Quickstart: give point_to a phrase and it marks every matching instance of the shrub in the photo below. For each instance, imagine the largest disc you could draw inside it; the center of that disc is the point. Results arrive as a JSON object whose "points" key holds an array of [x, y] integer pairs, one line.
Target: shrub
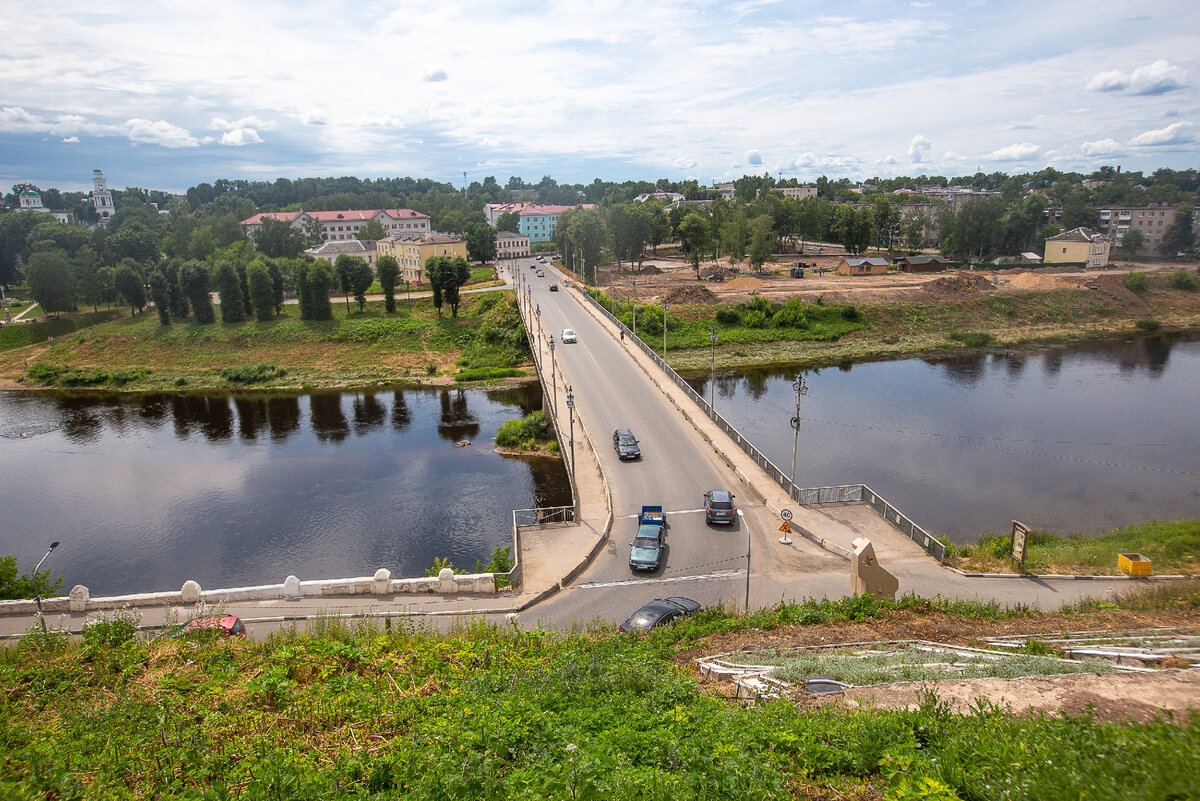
{"points": [[524, 432], [972, 339], [851, 313], [1148, 324], [43, 373], [759, 303], [1136, 282], [729, 315], [1184, 280], [791, 315], [118, 629], [755, 319], [252, 373]]}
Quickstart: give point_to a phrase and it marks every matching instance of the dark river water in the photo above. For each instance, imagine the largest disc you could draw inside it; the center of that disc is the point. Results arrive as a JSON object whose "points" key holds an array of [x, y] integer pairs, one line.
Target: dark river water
{"points": [[147, 492], [1083, 438]]}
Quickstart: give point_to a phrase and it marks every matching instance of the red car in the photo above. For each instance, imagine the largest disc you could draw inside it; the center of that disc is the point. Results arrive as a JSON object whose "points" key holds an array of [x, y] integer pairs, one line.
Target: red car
{"points": [[229, 625]]}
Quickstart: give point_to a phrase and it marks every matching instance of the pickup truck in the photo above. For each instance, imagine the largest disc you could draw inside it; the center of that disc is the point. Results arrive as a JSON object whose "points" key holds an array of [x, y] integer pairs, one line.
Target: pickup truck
{"points": [[646, 549]]}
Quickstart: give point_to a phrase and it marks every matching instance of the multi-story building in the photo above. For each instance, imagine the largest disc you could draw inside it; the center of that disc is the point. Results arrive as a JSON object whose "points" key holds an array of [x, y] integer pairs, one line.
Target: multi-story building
{"points": [[1079, 245], [338, 226], [798, 192], [538, 220], [1152, 221], [411, 252], [511, 246], [329, 251]]}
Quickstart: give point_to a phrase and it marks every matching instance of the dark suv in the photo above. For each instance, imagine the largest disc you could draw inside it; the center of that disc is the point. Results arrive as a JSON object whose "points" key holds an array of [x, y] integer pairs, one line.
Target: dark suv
{"points": [[625, 444], [718, 507]]}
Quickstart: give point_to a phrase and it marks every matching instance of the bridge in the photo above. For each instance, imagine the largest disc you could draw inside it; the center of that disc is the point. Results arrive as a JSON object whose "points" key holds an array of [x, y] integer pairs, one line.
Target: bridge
{"points": [[615, 381]]}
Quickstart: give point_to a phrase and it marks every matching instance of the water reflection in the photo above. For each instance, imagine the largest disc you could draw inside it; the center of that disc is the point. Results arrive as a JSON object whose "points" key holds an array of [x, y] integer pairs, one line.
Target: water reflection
{"points": [[1078, 438], [265, 495]]}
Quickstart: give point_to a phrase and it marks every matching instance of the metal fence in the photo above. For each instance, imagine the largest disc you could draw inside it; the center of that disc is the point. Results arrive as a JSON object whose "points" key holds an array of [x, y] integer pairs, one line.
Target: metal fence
{"points": [[850, 492]]}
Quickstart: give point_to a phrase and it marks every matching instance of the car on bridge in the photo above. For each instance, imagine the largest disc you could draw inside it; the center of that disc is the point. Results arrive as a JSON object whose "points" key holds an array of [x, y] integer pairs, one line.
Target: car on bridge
{"points": [[568, 335], [645, 552], [718, 507], [554, 287], [659, 612], [626, 445]]}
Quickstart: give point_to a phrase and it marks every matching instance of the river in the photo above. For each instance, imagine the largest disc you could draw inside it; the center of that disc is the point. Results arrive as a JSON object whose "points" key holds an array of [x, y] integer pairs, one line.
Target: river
{"points": [[1080, 438], [146, 492]]}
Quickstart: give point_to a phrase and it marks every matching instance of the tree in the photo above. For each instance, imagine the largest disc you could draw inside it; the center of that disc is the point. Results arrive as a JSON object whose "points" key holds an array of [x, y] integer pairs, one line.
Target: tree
{"points": [[14, 231], [193, 279], [134, 241], [361, 278], [457, 273], [813, 218], [86, 265], [509, 221], [128, 282], [1132, 243], [481, 241], [761, 239], [389, 270], [887, 222], [347, 269], [276, 274], [371, 232], [694, 235], [229, 289], [435, 268], [19, 586], [1078, 211], [262, 290], [160, 294], [278, 239], [1179, 236], [842, 227], [50, 281], [912, 230], [314, 279], [735, 231], [979, 226]]}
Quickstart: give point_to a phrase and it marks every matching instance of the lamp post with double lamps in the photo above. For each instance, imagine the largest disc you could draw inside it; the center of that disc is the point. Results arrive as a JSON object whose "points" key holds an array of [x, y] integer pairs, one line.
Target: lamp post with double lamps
{"points": [[712, 381], [37, 595], [553, 385]]}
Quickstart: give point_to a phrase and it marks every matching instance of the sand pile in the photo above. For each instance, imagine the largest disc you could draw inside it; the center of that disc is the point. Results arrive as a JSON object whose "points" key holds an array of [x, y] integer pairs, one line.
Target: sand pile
{"points": [[744, 282], [650, 269], [691, 296], [1111, 287], [959, 284], [1041, 281]]}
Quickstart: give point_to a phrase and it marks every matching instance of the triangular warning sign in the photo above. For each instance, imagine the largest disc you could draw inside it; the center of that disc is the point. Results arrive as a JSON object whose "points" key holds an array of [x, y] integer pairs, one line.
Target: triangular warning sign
{"points": [[785, 528]]}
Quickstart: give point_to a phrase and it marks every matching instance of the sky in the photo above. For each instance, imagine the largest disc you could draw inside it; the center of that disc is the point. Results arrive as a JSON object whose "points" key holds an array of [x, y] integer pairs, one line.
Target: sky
{"points": [[167, 95]]}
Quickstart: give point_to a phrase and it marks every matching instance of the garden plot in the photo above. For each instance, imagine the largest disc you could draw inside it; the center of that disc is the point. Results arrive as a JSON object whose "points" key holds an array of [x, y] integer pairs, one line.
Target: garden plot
{"points": [[1162, 647]]}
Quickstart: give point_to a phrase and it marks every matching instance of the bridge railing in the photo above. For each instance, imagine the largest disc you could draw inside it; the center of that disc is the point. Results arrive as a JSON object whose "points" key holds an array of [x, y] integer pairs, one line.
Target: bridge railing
{"points": [[804, 496]]}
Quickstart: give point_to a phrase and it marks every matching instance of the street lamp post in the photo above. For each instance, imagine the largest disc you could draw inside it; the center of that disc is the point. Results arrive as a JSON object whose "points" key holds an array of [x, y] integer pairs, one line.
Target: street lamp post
{"points": [[37, 595], [553, 385], [664, 330], [538, 314], [801, 390], [742, 517], [571, 412], [635, 308], [712, 337]]}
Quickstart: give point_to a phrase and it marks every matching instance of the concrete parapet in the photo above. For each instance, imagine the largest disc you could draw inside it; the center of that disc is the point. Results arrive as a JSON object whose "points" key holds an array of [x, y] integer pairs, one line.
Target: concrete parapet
{"points": [[867, 576], [190, 591], [78, 599]]}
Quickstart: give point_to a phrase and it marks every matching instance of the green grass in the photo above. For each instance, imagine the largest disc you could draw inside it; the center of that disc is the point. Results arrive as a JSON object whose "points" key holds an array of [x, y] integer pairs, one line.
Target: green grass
{"points": [[16, 335], [384, 710], [1172, 547]]}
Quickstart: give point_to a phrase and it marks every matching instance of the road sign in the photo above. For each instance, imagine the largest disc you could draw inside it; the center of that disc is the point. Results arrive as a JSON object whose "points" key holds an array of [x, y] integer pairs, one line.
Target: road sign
{"points": [[786, 514], [785, 528]]}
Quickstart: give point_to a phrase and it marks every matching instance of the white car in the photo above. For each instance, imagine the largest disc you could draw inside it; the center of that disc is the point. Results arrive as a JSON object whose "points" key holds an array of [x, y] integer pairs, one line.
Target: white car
{"points": [[568, 335]]}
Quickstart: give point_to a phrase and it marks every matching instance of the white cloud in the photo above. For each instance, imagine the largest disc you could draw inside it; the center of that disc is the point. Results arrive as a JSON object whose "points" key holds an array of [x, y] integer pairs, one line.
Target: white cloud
{"points": [[753, 157], [257, 124], [887, 161], [158, 132], [1100, 147], [435, 76], [71, 139], [918, 148], [1175, 133], [684, 163], [1155, 78], [241, 136], [1014, 152]]}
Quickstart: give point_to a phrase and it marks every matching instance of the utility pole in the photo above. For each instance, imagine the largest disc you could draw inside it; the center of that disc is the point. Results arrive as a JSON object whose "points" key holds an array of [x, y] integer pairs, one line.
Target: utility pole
{"points": [[801, 390]]}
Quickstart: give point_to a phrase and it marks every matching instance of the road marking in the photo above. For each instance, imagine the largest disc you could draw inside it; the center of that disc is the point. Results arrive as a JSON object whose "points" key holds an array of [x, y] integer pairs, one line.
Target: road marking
{"points": [[661, 580], [669, 512]]}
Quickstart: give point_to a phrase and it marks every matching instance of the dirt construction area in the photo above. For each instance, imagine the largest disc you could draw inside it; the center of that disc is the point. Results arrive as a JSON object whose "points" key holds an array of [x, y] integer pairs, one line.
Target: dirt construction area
{"points": [[674, 281]]}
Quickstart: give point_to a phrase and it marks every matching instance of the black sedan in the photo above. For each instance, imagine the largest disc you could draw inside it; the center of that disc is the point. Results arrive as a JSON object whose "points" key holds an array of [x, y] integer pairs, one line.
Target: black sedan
{"points": [[659, 612]]}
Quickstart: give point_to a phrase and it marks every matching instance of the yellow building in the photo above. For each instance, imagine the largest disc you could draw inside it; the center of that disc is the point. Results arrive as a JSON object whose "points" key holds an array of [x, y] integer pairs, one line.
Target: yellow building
{"points": [[411, 252], [1078, 246]]}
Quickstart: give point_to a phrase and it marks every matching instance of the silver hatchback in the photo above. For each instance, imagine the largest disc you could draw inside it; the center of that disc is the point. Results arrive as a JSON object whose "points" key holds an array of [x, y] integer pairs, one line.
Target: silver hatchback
{"points": [[718, 507]]}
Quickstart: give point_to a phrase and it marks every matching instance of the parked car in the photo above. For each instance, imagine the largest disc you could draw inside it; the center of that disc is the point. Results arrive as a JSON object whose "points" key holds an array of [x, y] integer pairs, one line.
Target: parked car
{"points": [[228, 625], [554, 287], [568, 335], [625, 444], [541, 274], [645, 552], [659, 612], [718, 507]]}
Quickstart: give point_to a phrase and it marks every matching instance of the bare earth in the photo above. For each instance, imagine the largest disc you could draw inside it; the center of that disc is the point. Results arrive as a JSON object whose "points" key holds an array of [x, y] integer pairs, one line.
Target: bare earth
{"points": [[1119, 698]]}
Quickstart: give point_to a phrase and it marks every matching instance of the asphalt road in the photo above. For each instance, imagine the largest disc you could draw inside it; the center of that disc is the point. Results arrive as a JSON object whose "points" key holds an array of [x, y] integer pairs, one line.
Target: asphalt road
{"points": [[610, 392]]}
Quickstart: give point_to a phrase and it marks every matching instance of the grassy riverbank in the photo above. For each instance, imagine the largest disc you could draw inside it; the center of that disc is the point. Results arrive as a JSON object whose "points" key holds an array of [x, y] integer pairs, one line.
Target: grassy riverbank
{"points": [[1173, 548], [355, 348], [384, 710]]}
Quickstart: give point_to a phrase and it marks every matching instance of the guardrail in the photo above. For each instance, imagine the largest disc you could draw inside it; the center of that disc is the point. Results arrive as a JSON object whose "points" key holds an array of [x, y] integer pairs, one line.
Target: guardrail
{"points": [[805, 496]]}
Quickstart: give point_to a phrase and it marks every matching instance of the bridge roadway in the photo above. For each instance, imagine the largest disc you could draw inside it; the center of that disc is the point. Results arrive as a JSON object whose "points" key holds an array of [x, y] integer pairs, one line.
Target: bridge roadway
{"points": [[683, 454]]}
